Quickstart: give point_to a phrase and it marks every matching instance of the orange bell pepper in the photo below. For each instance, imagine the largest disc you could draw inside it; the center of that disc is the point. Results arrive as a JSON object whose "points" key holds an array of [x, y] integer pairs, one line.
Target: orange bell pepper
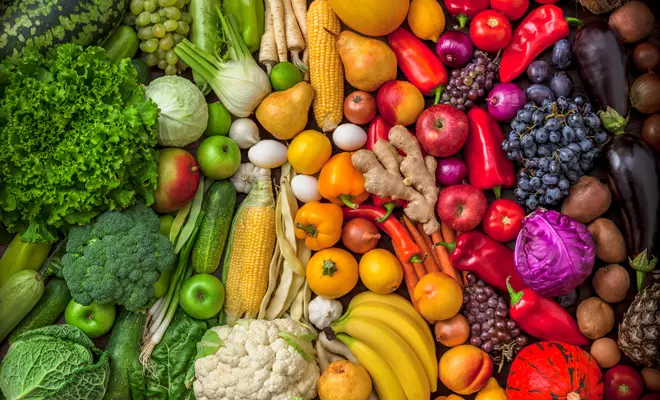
{"points": [[341, 183], [319, 224]]}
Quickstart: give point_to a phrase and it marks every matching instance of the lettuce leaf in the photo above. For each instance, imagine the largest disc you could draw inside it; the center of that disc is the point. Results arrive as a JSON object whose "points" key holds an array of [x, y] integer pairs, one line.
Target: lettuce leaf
{"points": [[77, 137]]}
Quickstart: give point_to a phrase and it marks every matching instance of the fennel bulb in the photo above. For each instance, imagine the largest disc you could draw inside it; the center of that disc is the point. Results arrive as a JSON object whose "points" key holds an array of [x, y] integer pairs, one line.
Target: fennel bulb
{"points": [[234, 76]]}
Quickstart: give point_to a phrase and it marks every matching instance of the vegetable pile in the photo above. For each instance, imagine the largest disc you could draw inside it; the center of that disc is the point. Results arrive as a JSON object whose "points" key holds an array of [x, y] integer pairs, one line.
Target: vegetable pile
{"points": [[411, 199]]}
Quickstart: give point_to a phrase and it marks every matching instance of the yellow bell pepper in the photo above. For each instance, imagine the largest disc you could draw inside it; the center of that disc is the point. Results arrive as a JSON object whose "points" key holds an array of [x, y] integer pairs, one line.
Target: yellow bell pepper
{"points": [[492, 391], [319, 224], [20, 256], [309, 151], [341, 183]]}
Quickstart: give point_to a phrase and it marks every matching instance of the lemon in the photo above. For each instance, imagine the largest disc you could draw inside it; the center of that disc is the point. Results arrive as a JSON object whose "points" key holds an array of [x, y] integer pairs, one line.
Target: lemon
{"points": [[380, 271]]}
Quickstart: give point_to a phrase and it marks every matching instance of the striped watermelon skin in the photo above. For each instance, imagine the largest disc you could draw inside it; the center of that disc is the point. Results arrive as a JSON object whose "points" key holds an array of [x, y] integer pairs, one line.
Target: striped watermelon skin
{"points": [[45, 23], [554, 371]]}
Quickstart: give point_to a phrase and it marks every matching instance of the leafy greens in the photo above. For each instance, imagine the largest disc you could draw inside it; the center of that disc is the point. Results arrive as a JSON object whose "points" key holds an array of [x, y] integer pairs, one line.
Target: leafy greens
{"points": [[77, 137]]}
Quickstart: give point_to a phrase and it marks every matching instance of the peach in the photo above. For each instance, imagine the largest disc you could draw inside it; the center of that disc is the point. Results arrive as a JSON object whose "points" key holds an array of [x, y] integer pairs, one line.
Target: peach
{"points": [[439, 296], [400, 102], [465, 369], [450, 397]]}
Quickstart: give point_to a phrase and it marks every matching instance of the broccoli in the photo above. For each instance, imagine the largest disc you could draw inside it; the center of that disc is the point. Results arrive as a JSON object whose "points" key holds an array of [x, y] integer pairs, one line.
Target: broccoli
{"points": [[117, 258]]}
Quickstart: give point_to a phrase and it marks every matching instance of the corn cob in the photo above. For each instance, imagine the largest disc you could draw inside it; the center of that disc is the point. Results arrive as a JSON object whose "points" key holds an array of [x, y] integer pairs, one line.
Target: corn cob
{"points": [[325, 67], [249, 251]]}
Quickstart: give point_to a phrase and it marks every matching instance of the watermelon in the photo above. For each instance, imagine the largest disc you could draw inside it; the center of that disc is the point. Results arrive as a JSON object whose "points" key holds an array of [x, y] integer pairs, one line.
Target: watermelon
{"points": [[45, 23]]}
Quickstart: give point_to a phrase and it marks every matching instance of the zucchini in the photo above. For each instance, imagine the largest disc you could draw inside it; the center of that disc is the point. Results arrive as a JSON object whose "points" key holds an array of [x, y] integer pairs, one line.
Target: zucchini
{"points": [[17, 297], [46, 23], [123, 43], [49, 308], [126, 372], [219, 202], [20, 256]]}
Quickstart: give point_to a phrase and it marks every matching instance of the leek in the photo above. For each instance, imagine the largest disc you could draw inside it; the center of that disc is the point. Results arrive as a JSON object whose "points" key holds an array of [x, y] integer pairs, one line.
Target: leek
{"points": [[234, 76]]}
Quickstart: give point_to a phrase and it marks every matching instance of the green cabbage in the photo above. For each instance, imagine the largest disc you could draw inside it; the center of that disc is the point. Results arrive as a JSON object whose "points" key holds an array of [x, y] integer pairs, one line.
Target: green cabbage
{"points": [[77, 137], [56, 363]]}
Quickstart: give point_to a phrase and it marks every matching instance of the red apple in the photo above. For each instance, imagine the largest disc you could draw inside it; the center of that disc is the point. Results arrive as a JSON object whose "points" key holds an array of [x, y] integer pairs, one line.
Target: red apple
{"points": [[178, 178], [442, 130], [399, 102], [462, 207], [623, 383]]}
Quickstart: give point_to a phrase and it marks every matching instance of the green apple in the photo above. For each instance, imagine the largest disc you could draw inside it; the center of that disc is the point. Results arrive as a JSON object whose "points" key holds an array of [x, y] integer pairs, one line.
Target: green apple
{"points": [[218, 157], [94, 320], [202, 296]]}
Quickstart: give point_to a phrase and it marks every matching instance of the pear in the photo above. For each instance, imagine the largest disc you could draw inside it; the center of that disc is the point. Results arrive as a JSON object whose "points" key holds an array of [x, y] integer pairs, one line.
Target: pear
{"points": [[368, 62], [284, 114]]}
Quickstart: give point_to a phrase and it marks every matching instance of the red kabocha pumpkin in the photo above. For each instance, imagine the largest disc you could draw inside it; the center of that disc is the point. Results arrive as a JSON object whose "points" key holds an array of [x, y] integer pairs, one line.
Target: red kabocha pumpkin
{"points": [[554, 370]]}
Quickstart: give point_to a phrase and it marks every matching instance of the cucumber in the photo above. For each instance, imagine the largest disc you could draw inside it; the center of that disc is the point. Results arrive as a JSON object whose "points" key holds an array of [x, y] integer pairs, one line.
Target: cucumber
{"points": [[49, 308], [126, 374], [123, 43], [218, 205], [17, 297]]}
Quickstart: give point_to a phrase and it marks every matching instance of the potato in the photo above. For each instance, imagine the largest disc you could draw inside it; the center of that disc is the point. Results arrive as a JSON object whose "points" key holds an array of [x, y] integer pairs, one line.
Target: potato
{"points": [[633, 21], [587, 200], [595, 318], [610, 244], [606, 352], [651, 378], [611, 283]]}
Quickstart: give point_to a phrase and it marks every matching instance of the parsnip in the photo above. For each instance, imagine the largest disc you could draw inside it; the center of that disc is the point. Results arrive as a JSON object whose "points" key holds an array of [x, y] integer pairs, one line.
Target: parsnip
{"points": [[300, 11], [277, 12], [268, 49], [294, 38]]}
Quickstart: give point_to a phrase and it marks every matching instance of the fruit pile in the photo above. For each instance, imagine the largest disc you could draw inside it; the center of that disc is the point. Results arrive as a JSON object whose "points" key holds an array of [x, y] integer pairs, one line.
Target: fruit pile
{"points": [[554, 144]]}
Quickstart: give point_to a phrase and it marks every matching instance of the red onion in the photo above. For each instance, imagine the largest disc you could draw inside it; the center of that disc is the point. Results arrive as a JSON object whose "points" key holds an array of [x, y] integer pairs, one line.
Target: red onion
{"points": [[454, 49], [505, 100], [451, 171]]}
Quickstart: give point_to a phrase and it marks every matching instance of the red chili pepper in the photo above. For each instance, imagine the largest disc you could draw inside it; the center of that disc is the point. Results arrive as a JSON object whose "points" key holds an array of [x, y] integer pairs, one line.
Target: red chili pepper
{"points": [[543, 318], [491, 261], [503, 220], [378, 129], [418, 63], [465, 9], [488, 167], [393, 228], [388, 204], [541, 29]]}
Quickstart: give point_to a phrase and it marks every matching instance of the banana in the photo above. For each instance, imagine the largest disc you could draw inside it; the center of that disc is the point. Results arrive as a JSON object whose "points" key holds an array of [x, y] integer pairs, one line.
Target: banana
{"points": [[398, 302], [394, 349], [383, 376], [411, 332]]}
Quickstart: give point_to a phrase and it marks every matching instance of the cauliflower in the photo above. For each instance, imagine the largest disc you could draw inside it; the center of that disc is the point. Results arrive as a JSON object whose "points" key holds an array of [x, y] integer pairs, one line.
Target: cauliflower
{"points": [[259, 360]]}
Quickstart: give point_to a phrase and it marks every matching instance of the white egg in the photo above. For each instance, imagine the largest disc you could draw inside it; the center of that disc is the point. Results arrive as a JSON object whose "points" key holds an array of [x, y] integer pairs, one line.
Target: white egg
{"points": [[267, 154], [349, 137], [305, 188]]}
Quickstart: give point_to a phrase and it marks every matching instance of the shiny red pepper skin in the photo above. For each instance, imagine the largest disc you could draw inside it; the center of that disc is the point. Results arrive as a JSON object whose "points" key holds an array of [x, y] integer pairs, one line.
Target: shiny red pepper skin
{"points": [[388, 204], [378, 129], [543, 318], [465, 8], [491, 261], [418, 63], [393, 228], [488, 166], [547, 1], [541, 29]]}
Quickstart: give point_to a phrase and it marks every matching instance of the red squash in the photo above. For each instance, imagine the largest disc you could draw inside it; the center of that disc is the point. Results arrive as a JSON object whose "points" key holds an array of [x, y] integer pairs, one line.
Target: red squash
{"points": [[548, 370]]}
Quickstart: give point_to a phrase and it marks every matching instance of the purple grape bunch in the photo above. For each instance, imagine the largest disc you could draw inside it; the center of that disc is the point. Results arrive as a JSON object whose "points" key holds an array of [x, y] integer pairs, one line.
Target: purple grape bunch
{"points": [[470, 83]]}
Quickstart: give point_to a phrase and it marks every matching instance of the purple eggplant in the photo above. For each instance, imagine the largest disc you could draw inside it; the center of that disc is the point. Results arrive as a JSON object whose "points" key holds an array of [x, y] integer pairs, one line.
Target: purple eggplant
{"points": [[603, 68], [634, 177]]}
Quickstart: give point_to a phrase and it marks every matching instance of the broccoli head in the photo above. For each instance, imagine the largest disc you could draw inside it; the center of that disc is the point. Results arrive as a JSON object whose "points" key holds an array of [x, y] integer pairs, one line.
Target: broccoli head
{"points": [[117, 258]]}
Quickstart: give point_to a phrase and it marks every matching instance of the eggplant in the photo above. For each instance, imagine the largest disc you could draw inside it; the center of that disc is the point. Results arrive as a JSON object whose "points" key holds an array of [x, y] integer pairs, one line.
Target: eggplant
{"points": [[634, 178], [603, 68]]}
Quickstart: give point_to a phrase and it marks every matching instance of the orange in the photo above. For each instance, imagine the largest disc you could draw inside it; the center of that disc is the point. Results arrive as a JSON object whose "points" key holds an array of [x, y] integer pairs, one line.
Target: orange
{"points": [[380, 271], [439, 296], [332, 273]]}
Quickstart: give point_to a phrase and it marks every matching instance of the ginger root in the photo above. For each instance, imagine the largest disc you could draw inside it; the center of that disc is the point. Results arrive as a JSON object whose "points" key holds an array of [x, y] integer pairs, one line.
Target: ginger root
{"points": [[410, 178]]}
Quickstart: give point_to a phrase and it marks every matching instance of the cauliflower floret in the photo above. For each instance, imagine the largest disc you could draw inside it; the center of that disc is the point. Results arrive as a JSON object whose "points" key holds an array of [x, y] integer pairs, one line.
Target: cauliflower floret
{"points": [[259, 360]]}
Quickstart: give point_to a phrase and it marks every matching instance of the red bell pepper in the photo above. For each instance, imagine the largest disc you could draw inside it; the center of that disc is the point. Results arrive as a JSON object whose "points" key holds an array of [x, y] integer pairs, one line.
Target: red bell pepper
{"points": [[388, 204], [491, 261], [393, 228], [543, 318], [488, 167], [503, 220], [465, 9], [378, 129], [541, 29], [418, 63]]}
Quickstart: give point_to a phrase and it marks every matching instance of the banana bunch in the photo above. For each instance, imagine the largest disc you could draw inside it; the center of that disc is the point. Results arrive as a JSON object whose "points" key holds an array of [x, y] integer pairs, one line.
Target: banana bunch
{"points": [[393, 342]]}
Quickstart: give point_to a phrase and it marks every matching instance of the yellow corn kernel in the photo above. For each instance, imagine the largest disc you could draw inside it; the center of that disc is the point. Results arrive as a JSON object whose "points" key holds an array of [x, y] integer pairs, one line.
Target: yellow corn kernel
{"points": [[325, 67]]}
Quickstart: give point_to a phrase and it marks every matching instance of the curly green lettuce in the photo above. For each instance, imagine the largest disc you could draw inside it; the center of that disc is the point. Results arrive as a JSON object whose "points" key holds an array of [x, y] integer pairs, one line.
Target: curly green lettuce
{"points": [[77, 137]]}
